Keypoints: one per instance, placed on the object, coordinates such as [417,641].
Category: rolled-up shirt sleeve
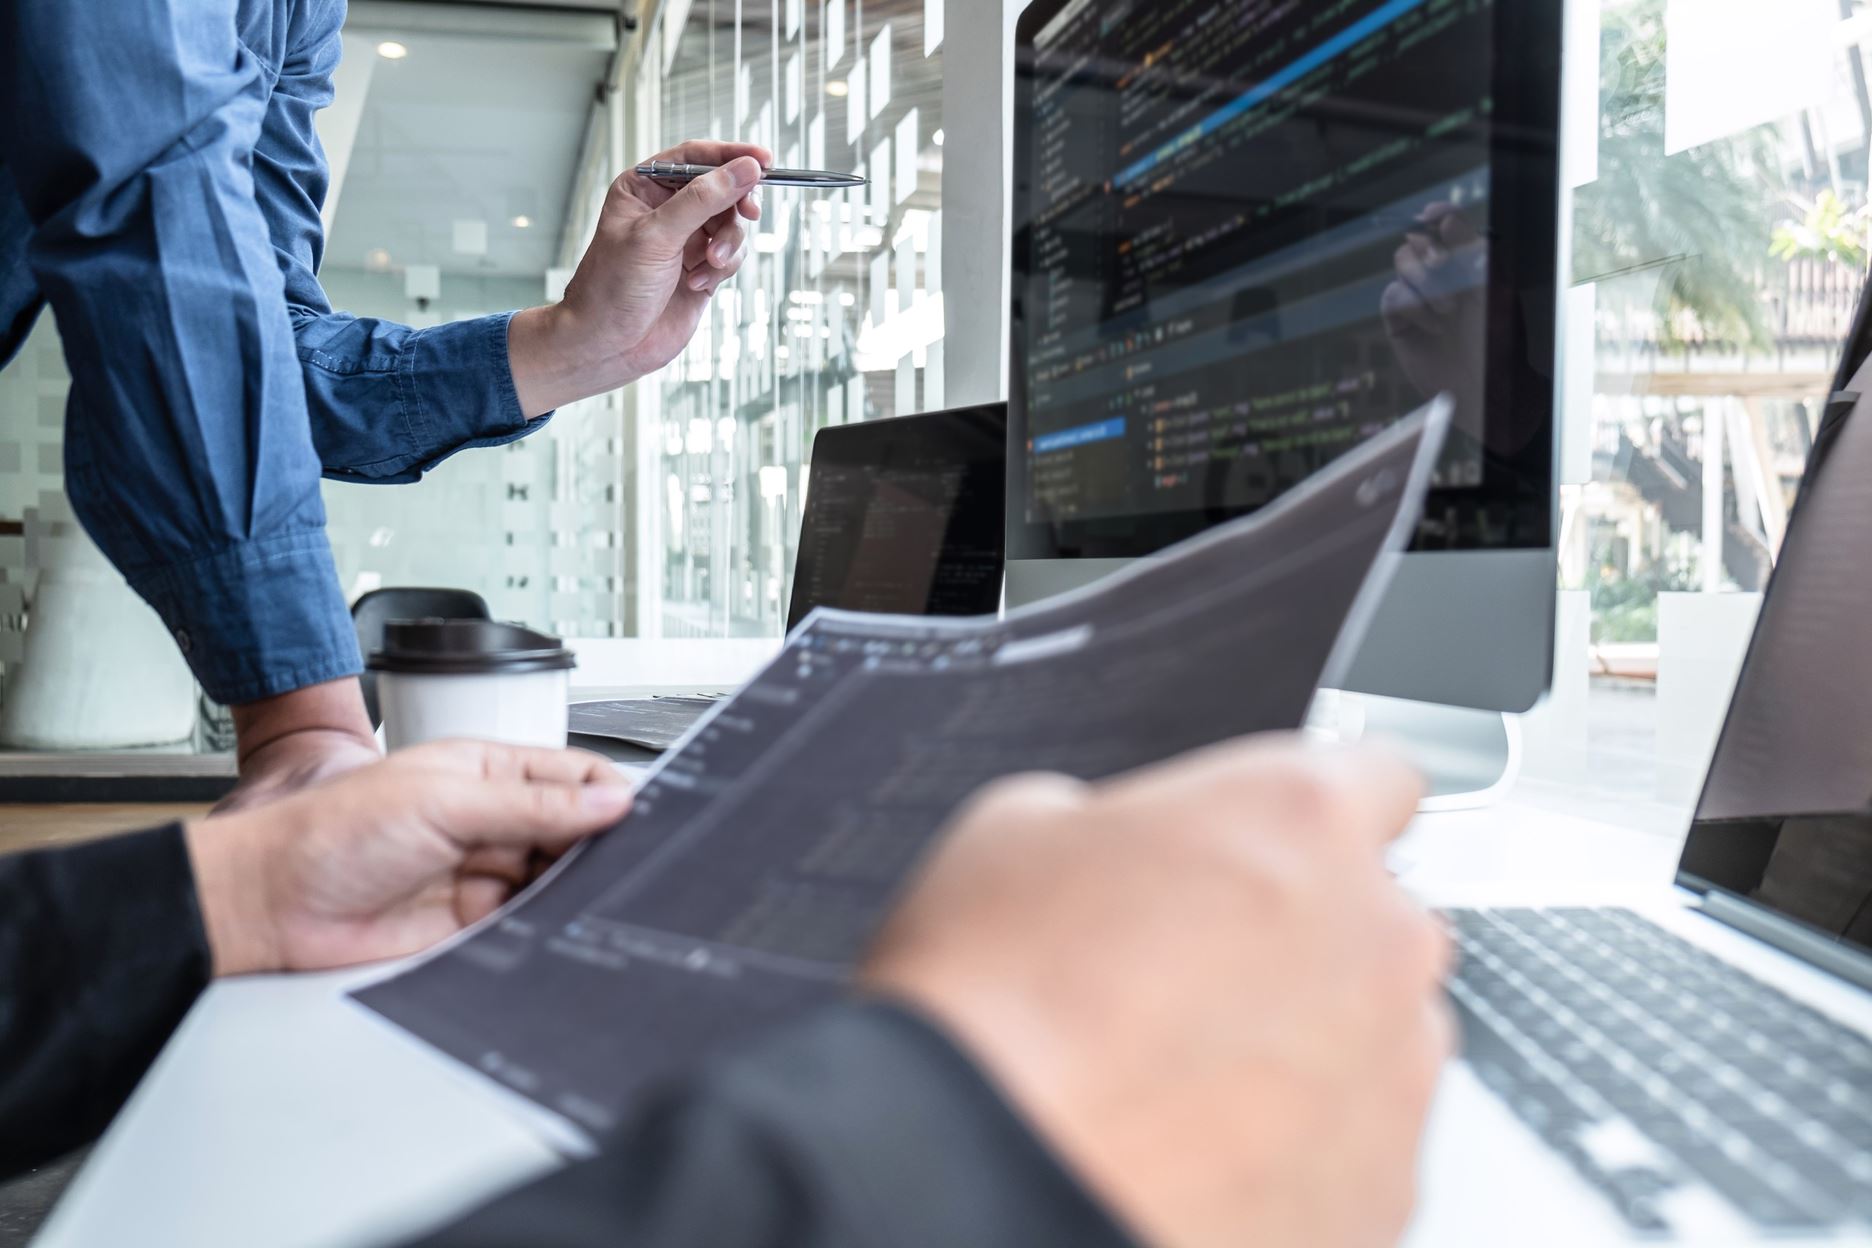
[387,402]
[130,128]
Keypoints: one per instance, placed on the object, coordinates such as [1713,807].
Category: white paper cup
[440,679]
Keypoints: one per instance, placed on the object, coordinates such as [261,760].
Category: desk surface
[31,826]
[281,1114]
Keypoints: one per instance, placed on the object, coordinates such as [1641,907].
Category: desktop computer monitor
[1251,233]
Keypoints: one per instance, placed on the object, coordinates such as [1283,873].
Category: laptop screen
[1785,819]
[904,516]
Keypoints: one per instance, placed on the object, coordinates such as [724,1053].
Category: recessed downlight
[391,50]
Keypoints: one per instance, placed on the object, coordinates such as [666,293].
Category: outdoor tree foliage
[1691,224]
[1827,230]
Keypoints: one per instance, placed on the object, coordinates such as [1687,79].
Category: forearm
[389,403]
[557,361]
[335,706]
[861,1126]
[299,739]
[101,953]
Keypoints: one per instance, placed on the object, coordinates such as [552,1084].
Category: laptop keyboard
[1652,1066]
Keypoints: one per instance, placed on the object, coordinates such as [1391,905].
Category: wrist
[228,857]
[1038,1067]
[559,356]
[336,706]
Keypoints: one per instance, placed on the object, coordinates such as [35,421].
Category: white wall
[977,114]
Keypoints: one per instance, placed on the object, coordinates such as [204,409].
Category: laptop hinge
[1790,937]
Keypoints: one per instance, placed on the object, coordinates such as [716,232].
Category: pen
[671,174]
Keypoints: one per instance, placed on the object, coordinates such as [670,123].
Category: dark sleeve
[861,1126]
[101,953]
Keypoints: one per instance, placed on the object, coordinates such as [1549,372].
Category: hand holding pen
[732,175]
[670,173]
[656,258]
[668,235]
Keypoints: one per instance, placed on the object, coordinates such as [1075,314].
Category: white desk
[282,1115]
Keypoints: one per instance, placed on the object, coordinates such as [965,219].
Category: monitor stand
[1469,759]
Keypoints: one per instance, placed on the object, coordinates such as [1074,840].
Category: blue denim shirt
[160,188]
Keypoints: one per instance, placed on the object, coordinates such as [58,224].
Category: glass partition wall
[837,315]
[1719,156]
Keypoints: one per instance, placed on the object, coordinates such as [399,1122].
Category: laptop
[905,516]
[902,516]
[1695,1066]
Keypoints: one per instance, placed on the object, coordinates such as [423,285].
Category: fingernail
[719,253]
[605,798]
[697,281]
[747,171]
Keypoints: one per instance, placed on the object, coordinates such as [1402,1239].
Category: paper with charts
[765,850]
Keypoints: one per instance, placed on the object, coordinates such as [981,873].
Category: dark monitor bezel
[868,444]
[1523,263]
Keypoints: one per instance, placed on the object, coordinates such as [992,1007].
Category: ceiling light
[391,50]
[522,221]
[838,87]
[377,260]
[938,137]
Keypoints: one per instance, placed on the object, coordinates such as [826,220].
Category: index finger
[552,766]
[709,152]
[498,761]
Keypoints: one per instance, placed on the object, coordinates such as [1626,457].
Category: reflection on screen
[1254,235]
[1786,815]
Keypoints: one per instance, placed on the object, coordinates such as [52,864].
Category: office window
[469,188]
[837,315]
[1719,247]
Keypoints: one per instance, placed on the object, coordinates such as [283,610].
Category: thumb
[531,814]
[691,208]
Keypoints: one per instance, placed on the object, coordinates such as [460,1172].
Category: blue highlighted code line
[1262,92]
[1082,435]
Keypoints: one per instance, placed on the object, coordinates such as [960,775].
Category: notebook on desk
[902,517]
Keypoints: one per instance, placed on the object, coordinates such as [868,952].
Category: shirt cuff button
[182,640]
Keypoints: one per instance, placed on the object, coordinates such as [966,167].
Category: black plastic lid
[467,648]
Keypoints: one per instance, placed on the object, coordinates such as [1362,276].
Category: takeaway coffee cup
[471,678]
